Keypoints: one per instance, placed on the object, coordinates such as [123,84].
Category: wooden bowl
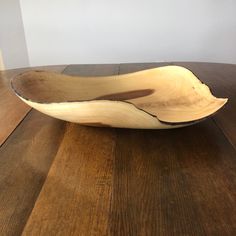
[164,97]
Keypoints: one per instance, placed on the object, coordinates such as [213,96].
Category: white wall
[107,31]
[111,31]
[13,51]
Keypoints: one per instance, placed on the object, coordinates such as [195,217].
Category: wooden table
[59,178]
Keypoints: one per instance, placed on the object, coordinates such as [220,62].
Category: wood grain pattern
[92,70]
[106,181]
[76,196]
[25,159]
[174,182]
[170,95]
[222,80]
[12,109]
[122,96]
[23,165]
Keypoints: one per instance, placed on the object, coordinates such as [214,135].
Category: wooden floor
[59,178]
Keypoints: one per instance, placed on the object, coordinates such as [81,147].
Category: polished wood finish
[25,159]
[78,187]
[92,70]
[12,110]
[59,178]
[148,99]
[222,82]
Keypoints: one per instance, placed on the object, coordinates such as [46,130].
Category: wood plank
[174,182]
[92,69]
[75,198]
[25,159]
[119,182]
[12,109]
[221,78]
[133,67]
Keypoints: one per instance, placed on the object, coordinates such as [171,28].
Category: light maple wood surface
[164,97]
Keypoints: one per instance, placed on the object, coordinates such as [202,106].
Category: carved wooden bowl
[164,97]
